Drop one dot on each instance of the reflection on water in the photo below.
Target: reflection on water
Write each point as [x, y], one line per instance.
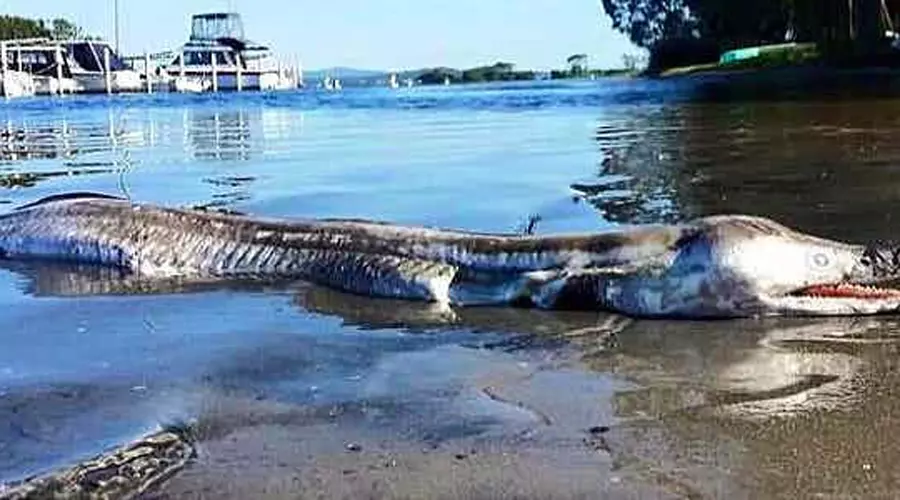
[220, 135]
[822, 166]
[117, 144]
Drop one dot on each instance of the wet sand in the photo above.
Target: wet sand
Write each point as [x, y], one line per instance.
[504, 426]
[516, 404]
[501, 452]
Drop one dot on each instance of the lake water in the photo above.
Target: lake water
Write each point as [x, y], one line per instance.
[741, 409]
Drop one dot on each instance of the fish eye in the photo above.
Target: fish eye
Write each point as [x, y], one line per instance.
[820, 259]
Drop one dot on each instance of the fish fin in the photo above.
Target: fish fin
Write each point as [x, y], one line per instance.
[73, 196]
[502, 288]
[381, 275]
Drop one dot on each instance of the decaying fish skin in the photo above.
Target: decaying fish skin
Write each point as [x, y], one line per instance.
[123, 473]
[718, 266]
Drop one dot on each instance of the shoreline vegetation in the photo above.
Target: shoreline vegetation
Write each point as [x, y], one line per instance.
[699, 37]
[440, 75]
[501, 71]
[797, 56]
[16, 27]
[765, 57]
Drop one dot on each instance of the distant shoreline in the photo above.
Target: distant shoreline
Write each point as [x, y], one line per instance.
[499, 72]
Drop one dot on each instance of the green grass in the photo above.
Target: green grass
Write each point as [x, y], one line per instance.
[780, 57]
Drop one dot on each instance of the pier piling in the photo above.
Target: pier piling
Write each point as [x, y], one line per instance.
[239, 61]
[59, 69]
[3, 68]
[215, 72]
[147, 75]
[106, 70]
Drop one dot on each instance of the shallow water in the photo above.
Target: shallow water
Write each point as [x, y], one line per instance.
[731, 408]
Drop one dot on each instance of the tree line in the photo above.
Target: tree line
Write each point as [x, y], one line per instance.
[500, 71]
[15, 27]
[718, 25]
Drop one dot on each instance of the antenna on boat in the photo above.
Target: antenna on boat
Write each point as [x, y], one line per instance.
[116, 20]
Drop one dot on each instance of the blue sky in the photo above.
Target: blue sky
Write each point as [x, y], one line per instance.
[378, 34]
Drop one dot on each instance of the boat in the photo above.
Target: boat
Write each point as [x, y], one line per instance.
[43, 61]
[218, 56]
[84, 66]
[328, 83]
[88, 62]
[17, 84]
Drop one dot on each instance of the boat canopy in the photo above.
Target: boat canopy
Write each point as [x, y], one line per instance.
[89, 55]
[216, 25]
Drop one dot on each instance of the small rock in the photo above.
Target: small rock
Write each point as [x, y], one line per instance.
[599, 429]
[354, 447]
[460, 456]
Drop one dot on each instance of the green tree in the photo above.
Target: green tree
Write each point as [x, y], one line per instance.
[632, 62]
[578, 64]
[498, 71]
[731, 23]
[20, 27]
[648, 22]
[15, 27]
[63, 29]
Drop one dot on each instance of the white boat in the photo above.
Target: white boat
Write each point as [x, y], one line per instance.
[187, 84]
[218, 57]
[88, 62]
[328, 83]
[70, 66]
[17, 84]
[44, 61]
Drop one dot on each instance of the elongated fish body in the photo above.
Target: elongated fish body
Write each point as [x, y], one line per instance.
[359, 256]
[163, 243]
[714, 266]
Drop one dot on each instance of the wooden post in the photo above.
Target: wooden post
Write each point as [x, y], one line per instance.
[147, 72]
[215, 71]
[59, 71]
[239, 72]
[299, 72]
[3, 68]
[106, 69]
